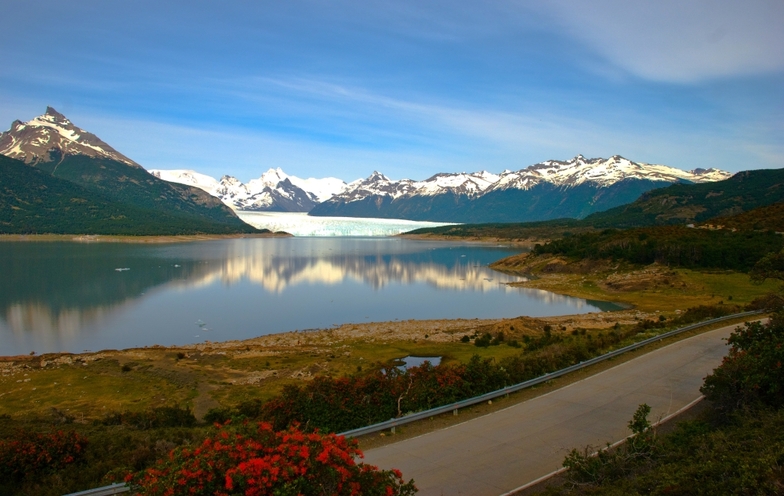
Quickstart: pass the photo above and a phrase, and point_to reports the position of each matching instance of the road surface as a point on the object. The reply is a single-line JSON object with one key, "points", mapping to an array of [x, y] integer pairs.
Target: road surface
{"points": [[507, 449]]}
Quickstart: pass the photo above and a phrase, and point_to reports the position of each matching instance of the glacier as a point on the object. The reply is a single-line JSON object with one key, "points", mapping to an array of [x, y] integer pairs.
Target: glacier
{"points": [[301, 224]]}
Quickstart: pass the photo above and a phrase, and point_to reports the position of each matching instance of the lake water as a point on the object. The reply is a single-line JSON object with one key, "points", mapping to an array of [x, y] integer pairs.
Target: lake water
{"points": [[57, 296]]}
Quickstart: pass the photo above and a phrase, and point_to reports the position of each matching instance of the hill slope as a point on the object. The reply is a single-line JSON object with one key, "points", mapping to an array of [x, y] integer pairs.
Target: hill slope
{"points": [[768, 218], [695, 203], [54, 145], [34, 202]]}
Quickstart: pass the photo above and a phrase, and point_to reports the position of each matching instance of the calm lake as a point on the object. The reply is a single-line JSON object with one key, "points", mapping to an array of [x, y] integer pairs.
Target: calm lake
{"points": [[74, 297]]}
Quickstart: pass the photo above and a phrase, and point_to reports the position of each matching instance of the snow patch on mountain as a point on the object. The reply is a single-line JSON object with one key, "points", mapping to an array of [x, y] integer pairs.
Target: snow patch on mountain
{"points": [[274, 190], [601, 172]]}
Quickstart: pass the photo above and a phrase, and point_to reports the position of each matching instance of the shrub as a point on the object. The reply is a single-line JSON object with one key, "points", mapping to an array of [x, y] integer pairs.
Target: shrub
{"points": [[165, 416], [253, 459], [32, 454], [752, 371], [585, 467], [218, 415]]}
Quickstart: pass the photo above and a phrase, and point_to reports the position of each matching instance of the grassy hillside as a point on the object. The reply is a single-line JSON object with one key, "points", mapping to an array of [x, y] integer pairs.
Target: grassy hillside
{"points": [[34, 202], [135, 186], [506, 231], [675, 246], [769, 218], [695, 203]]}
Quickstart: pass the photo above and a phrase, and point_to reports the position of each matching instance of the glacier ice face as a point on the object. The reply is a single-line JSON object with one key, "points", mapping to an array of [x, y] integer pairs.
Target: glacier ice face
{"points": [[300, 224]]}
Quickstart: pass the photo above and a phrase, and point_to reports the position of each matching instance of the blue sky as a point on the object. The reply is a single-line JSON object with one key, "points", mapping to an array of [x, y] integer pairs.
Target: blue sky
{"points": [[410, 88]]}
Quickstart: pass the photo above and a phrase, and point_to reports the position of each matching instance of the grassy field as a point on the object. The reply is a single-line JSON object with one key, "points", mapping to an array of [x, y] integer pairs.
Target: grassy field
{"points": [[650, 288]]}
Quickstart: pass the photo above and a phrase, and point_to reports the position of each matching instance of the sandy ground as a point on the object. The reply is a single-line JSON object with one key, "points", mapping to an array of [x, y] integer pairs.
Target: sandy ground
{"points": [[437, 331]]}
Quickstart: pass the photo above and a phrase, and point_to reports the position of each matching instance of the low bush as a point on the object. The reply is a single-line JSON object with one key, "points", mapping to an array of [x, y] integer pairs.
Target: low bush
{"points": [[587, 467], [753, 371], [31, 454], [165, 416], [254, 460]]}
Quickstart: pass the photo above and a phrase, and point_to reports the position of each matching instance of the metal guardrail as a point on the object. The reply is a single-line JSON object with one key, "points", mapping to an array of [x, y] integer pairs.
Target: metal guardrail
{"points": [[454, 407], [116, 488]]}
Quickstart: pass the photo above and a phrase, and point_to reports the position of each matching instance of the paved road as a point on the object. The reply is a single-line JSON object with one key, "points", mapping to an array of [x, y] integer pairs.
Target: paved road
{"points": [[502, 451]]}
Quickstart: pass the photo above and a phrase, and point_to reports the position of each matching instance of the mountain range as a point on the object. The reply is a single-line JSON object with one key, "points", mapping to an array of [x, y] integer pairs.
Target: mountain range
{"points": [[58, 178], [274, 191], [553, 189], [549, 190]]}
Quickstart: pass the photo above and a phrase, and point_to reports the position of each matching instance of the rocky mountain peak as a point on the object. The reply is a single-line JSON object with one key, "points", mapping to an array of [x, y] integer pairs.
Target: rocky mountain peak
{"points": [[55, 117], [376, 176], [274, 190], [53, 135]]}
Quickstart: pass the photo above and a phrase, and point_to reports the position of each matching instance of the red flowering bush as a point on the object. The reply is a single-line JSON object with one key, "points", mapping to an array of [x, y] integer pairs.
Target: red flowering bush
{"points": [[29, 454], [255, 460]]}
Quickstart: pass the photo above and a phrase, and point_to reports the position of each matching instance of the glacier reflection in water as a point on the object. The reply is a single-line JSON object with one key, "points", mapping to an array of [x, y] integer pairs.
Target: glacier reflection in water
{"points": [[57, 296]]}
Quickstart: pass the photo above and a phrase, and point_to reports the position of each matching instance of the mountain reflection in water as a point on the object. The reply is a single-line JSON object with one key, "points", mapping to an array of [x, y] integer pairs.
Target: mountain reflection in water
{"points": [[57, 296]]}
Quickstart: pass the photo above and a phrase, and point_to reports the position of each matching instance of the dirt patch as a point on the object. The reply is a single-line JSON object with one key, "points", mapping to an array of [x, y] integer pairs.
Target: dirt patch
{"points": [[652, 277]]}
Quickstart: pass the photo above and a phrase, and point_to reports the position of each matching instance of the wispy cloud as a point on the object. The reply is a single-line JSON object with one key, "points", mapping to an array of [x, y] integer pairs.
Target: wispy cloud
{"points": [[677, 41], [429, 138], [409, 87]]}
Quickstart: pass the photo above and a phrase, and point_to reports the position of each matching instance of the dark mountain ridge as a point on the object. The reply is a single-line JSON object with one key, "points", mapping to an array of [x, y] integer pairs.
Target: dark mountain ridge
{"points": [[695, 203], [34, 202], [82, 185]]}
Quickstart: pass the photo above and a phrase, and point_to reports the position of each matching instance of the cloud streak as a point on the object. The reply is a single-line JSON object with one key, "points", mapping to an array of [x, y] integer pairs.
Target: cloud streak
{"points": [[676, 41], [409, 87]]}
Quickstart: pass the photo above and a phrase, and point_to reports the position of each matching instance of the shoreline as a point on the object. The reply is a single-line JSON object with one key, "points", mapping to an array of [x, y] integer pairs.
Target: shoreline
{"points": [[180, 238], [431, 331], [112, 238], [528, 243]]}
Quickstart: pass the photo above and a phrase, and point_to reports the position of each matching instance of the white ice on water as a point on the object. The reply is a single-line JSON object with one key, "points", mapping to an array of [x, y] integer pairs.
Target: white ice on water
{"points": [[301, 224]]}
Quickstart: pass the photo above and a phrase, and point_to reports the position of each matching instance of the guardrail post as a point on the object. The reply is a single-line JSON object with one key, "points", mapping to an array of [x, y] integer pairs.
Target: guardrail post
{"points": [[454, 412]]}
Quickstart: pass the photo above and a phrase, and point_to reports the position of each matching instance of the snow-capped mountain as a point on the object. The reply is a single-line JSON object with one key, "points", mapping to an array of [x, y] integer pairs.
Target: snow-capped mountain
{"points": [[272, 191], [52, 135], [56, 147], [377, 184], [551, 189], [601, 172], [574, 188]]}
